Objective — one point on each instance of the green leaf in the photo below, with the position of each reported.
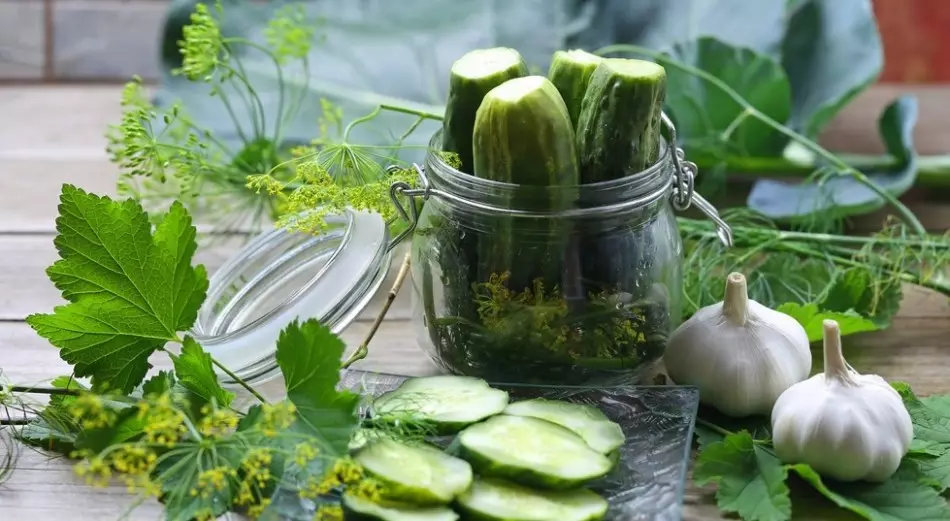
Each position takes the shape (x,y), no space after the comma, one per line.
(903,497)
(159,384)
(129,291)
(937,469)
(926,448)
(931,420)
(195,372)
(840,195)
(858,289)
(128,425)
(751,480)
(832,51)
(810,317)
(55,434)
(309,357)
(704,114)
(65,382)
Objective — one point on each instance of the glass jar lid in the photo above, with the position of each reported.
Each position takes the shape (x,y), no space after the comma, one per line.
(281,276)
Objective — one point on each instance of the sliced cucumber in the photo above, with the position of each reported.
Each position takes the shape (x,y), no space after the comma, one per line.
(356,508)
(496,500)
(449,402)
(586,421)
(417,474)
(531,451)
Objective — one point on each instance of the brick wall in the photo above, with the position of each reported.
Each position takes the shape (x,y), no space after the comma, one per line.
(80,40)
(110,40)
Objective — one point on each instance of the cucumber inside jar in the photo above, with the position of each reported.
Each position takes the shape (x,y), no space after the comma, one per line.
(552,300)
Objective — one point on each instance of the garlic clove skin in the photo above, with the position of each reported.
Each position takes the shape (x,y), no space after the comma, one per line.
(740,354)
(845,425)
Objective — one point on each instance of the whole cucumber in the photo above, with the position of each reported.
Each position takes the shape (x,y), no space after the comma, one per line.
(570,72)
(523,136)
(618,130)
(471,77)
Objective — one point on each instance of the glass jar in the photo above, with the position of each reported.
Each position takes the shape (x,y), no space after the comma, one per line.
(560,284)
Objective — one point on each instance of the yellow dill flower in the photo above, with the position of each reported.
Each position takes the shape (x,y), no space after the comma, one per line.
(277,417)
(304,453)
(95,471)
(164,424)
(289,34)
(90,412)
(347,471)
(328,513)
(315,488)
(203,45)
(245,495)
(257,510)
(369,489)
(205,514)
(133,459)
(256,466)
(212,480)
(218,423)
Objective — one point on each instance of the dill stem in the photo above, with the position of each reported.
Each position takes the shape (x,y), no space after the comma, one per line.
(238,380)
(43,390)
(756,234)
(405,110)
(363,349)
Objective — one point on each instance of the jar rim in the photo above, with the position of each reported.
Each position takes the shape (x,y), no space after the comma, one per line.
(282,276)
(626,193)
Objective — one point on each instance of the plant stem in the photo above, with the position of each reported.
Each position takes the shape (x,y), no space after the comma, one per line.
(43,390)
(713,427)
(363,349)
(749,110)
(238,380)
(932,170)
(405,110)
(15,421)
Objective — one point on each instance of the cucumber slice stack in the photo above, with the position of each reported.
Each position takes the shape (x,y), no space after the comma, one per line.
(531,451)
(417,474)
(523,461)
(450,403)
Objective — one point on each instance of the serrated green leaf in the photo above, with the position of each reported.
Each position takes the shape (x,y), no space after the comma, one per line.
(751,480)
(925,448)
(936,469)
(903,497)
(931,423)
(810,317)
(860,290)
(309,357)
(161,383)
(195,372)
(129,291)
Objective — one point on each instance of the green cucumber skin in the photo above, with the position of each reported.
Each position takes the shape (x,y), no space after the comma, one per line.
(351,512)
(486,467)
(399,492)
(529,143)
(465,96)
(571,77)
(618,131)
(473,514)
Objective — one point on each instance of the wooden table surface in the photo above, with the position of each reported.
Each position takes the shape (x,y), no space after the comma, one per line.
(53,135)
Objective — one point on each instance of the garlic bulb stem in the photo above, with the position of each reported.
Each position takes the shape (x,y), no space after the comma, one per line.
(835,366)
(735,303)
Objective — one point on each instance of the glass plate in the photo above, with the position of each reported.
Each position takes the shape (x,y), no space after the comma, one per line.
(648,482)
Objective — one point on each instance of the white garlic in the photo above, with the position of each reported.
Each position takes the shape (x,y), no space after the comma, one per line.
(741,354)
(845,425)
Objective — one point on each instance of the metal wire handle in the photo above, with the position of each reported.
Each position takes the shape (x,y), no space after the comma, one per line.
(682,194)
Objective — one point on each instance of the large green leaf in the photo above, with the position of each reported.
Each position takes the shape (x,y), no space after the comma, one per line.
(831,51)
(711,122)
(842,195)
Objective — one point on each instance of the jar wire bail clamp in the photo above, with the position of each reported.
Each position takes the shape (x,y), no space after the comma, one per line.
(683,195)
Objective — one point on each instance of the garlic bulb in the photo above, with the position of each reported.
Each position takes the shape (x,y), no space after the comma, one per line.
(741,354)
(846,425)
